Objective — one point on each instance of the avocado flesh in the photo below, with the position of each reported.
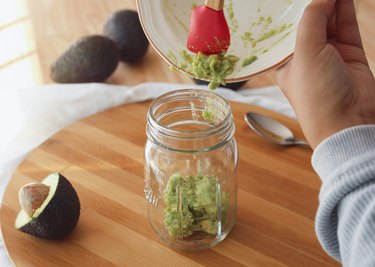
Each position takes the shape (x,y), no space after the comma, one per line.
(59,213)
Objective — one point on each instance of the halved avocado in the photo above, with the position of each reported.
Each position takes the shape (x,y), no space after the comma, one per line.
(59,213)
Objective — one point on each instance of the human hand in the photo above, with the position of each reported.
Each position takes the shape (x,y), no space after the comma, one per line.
(328,82)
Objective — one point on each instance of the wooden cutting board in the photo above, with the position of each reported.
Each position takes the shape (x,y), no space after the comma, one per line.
(102,156)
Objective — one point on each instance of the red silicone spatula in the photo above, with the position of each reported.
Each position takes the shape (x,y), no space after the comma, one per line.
(209,32)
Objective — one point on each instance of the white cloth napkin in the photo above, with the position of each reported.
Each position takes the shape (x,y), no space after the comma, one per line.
(29,116)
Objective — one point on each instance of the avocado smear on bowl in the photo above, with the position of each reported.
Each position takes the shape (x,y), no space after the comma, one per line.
(192,204)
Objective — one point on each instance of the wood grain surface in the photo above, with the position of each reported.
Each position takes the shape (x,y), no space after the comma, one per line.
(103,158)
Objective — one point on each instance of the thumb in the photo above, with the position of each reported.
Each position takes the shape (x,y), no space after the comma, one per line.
(312,29)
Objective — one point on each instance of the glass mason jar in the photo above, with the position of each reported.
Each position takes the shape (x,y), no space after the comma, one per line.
(190,168)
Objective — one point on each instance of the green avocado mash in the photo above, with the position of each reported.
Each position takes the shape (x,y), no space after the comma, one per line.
(207,115)
(247,61)
(233,23)
(210,67)
(192,205)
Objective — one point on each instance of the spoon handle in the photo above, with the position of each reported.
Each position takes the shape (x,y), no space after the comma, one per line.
(217,5)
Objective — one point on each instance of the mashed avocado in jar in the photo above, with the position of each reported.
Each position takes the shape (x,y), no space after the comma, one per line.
(192,205)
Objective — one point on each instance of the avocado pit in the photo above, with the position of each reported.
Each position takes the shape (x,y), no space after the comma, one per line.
(31,197)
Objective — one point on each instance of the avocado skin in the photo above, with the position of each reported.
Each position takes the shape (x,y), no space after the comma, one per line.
(90,59)
(60,216)
(125,29)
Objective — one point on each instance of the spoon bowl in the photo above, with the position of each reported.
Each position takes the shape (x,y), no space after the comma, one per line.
(272,130)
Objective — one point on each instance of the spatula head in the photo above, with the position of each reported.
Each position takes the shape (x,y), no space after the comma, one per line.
(209,31)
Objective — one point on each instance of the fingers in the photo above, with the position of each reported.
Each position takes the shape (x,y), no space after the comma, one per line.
(331,27)
(311,36)
(347,30)
(312,30)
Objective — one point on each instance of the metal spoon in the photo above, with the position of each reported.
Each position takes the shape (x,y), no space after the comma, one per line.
(272,130)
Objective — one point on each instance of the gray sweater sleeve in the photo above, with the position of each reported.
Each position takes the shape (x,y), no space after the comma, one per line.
(345,221)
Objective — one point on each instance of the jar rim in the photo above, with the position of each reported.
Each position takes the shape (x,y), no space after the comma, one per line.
(183,93)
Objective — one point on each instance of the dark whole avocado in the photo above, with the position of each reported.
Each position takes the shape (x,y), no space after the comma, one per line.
(90,59)
(125,29)
(233,86)
(57,216)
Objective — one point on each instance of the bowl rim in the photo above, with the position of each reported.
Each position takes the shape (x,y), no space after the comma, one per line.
(280,63)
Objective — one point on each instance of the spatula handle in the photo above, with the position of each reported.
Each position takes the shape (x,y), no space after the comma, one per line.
(215,4)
